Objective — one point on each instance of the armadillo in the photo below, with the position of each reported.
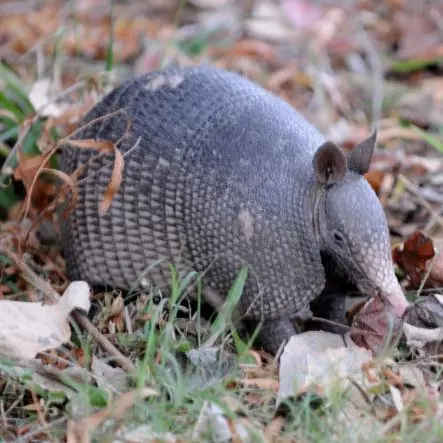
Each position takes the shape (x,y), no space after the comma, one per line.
(220,173)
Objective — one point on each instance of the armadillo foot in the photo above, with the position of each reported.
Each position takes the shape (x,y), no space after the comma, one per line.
(330,306)
(274,332)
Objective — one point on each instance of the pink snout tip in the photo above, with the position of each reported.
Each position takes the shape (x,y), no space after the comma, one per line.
(397,302)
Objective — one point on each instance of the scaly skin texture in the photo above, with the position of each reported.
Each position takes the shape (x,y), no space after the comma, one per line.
(221,177)
(218,173)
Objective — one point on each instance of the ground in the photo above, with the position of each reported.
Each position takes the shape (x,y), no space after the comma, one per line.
(145,369)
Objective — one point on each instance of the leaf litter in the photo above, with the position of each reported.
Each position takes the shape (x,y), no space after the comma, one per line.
(383,388)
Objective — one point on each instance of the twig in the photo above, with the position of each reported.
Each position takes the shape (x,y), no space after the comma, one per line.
(84,322)
(331,323)
(29,275)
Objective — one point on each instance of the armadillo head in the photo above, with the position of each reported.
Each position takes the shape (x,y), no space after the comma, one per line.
(351,225)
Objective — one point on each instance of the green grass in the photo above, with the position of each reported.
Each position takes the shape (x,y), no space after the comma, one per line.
(184,391)
(159,343)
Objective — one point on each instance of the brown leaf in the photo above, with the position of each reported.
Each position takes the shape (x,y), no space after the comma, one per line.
(90,143)
(68,180)
(114,184)
(70,118)
(374,324)
(375,179)
(28,167)
(412,258)
(117,172)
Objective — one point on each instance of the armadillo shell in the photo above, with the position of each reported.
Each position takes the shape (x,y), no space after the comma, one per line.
(217,174)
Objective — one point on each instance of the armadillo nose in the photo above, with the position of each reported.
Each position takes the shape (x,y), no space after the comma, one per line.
(397,300)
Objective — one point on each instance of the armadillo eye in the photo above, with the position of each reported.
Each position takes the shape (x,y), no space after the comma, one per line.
(338,237)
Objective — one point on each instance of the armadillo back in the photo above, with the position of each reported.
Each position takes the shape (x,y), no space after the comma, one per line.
(217,174)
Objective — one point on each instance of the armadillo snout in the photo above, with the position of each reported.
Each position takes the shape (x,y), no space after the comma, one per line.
(379,273)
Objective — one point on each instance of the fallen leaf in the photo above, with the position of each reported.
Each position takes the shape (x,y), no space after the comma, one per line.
(28,168)
(413,256)
(42,96)
(374,326)
(104,146)
(29,328)
(114,183)
(319,358)
(90,143)
(375,179)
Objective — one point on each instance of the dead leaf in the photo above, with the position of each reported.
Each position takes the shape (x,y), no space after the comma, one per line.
(90,143)
(318,358)
(114,183)
(68,181)
(375,179)
(28,168)
(29,328)
(374,326)
(412,257)
(42,96)
(117,171)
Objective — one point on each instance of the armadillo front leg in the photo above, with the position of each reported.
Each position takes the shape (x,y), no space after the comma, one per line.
(274,332)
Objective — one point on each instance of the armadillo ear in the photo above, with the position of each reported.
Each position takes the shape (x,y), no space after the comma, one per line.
(360,157)
(329,163)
